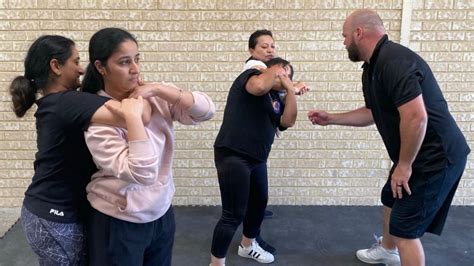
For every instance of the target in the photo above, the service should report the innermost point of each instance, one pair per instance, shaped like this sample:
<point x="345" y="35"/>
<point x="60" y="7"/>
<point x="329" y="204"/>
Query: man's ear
<point x="359" y="33"/>
<point x="100" y="68"/>
<point x="55" y="67"/>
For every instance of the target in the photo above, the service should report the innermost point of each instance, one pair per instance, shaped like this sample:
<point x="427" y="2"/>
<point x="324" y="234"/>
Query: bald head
<point x="366" y="18"/>
<point x="362" y="30"/>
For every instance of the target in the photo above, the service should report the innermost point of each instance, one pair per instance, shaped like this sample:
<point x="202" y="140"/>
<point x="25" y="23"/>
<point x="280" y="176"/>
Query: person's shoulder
<point x="246" y="75"/>
<point x="395" y="50"/>
<point x="75" y="93"/>
<point x="256" y="64"/>
<point x="80" y="96"/>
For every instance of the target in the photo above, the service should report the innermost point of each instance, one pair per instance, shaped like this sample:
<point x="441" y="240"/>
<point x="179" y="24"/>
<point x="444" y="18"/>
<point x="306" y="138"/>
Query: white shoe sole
<point x="376" y="262"/>
<point x="244" y="255"/>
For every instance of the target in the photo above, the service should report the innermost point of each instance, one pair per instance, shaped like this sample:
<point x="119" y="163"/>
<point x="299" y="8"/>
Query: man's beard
<point x="353" y="53"/>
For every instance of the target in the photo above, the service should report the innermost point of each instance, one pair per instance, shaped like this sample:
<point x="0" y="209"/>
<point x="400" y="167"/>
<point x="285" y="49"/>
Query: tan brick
<point x="378" y="4"/>
<point x="423" y="15"/>
<point x="132" y="16"/>
<point x="113" y="4"/>
<point x="83" y="4"/>
<point x="439" y="4"/>
<point x="172" y="4"/>
<point x="201" y="4"/>
<point x="367" y="201"/>
<point x="11" y="202"/>
<point x="463" y="4"/>
<point x="436" y="46"/>
<point x="142" y="4"/>
<point x="463" y="25"/>
<point x="387" y="15"/>
<point x="22" y="4"/>
<point x="99" y="14"/>
<point x="452" y="14"/>
<point x="319" y="4"/>
<point x="11" y="192"/>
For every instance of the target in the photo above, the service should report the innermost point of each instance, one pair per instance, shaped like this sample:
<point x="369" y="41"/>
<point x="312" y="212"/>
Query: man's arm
<point x="413" y="122"/>
<point x="358" y="118"/>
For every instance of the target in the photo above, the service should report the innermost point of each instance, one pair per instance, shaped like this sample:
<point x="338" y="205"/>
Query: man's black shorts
<point x="427" y="208"/>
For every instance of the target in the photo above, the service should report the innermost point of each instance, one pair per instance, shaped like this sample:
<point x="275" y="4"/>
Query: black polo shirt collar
<point x="377" y="48"/>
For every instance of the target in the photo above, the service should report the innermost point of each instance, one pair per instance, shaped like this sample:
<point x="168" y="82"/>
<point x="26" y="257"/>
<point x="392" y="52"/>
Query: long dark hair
<point x="101" y="46"/>
<point x="254" y="36"/>
<point x="23" y="89"/>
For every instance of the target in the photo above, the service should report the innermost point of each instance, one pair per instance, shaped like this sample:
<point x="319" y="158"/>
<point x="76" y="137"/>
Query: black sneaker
<point x="268" y="214"/>
<point x="265" y="245"/>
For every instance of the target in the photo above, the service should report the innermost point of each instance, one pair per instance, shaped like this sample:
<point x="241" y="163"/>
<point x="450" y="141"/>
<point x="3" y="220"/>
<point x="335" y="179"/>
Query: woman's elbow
<point x="288" y="124"/>
<point x="292" y="124"/>
<point x="211" y="111"/>
<point x="145" y="175"/>
<point x="146" y="180"/>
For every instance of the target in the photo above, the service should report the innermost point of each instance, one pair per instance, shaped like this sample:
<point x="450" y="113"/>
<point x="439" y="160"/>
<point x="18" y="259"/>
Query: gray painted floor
<point x="303" y="235"/>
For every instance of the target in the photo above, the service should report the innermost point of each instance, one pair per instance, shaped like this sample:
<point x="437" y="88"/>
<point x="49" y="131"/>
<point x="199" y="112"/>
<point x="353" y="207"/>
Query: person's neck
<point x="54" y="88"/>
<point x="117" y="95"/>
<point x="370" y="47"/>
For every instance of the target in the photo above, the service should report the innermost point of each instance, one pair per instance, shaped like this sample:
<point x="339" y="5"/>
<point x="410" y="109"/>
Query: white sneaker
<point x="378" y="254"/>
<point x="255" y="252"/>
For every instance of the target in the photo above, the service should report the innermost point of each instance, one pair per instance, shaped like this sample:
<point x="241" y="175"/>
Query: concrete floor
<point x="303" y="235"/>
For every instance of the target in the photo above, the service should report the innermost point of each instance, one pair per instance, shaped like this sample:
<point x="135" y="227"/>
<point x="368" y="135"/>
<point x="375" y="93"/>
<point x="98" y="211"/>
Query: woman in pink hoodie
<point x="133" y="222"/>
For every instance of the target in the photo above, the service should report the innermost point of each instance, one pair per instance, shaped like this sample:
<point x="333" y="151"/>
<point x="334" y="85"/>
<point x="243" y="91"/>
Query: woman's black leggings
<point x="243" y="183"/>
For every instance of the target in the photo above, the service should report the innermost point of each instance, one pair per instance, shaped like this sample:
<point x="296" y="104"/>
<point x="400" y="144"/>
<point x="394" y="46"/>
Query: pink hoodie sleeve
<point x="203" y="109"/>
<point x="134" y="162"/>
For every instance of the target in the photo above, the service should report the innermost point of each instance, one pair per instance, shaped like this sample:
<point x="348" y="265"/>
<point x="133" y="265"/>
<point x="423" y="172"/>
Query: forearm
<point x="174" y="95"/>
<point x="132" y="161"/>
<point x="361" y="117"/>
<point x="413" y="123"/>
<point x="261" y="84"/>
<point x="290" y="113"/>
<point x="104" y="115"/>
<point x="135" y="128"/>
<point x="412" y="134"/>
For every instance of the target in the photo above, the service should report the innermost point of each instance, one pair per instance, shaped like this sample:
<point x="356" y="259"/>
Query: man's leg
<point x="384" y="250"/>
<point x="388" y="241"/>
<point x="411" y="251"/>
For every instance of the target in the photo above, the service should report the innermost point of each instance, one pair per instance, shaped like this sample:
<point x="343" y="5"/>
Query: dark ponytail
<point x="92" y="81"/>
<point x="101" y="47"/>
<point x="23" y="89"/>
<point x="23" y="95"/>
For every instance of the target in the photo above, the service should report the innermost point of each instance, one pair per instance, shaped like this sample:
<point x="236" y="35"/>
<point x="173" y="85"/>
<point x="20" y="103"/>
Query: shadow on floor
<point x="303" y="235"/>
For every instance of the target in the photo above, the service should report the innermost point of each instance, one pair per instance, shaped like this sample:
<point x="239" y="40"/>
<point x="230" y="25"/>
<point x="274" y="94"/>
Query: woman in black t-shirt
<point x="253" y="114"/>
<point x="55" y="201"/>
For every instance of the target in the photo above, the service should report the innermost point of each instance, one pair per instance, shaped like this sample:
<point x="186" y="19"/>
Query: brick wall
<point x="201" y="45"/>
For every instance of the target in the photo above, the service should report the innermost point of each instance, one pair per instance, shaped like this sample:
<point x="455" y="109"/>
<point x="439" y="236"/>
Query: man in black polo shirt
<point x="427" y="148"/>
